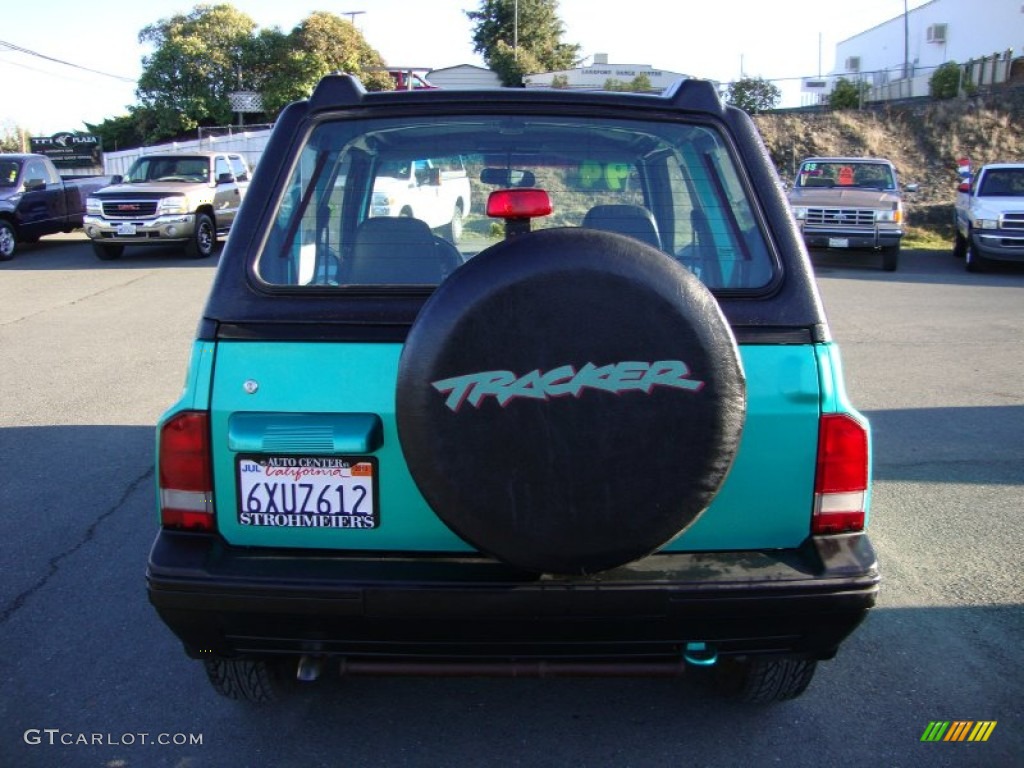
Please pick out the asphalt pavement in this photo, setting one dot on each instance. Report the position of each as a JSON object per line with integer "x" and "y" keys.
{"x": 93, "y": 352}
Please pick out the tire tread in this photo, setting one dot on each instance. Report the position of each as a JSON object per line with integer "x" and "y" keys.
{"x": 242, "y": 679}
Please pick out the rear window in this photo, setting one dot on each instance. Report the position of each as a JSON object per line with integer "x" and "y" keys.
{"x": 338, "y": 221}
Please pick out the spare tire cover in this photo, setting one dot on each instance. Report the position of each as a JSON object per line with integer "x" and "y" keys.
{"x": 568, "y": 401}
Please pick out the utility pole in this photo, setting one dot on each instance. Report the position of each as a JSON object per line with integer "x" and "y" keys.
{"x": 515, "y": 31}
{"x": 352, "y": 16}
{"x": 906, "y": 41}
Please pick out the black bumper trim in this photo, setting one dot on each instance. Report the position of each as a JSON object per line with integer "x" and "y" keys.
{"x": 230, "y": 601}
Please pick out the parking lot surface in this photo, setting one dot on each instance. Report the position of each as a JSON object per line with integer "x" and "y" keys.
{"x": 93, "y": 353}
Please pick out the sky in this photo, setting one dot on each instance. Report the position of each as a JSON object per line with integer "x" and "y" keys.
{"x": 98, "y": 43}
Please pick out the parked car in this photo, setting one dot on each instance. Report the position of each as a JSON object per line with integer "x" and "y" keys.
{"x": 434, "y": 190}
{"x": 186, "y": 199}
{"x": 35, "y": 201}
{"x": 607, "y": 434}
{"x": 850, "y": 203}
{"x": 989, "y": 216}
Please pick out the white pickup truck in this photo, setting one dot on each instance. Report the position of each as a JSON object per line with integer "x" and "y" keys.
{"x": 989, "y": 216}
{"x": 435, "y": 190}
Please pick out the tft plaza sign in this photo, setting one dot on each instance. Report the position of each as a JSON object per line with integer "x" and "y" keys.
{"x": 69, "y": 150}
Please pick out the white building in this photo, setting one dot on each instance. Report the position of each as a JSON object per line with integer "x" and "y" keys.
{"x": 897, "y": 58}
{"x": 463, "y": 77}
{"x": 600, "y": 72}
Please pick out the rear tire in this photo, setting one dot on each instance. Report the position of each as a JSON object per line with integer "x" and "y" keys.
{"x": 959, "y": 246}
{"x": 757, "y": 680}
{"x": 253, "y": 680}
{"x": 452, "y": 231}
{"x": 107, "y": 252}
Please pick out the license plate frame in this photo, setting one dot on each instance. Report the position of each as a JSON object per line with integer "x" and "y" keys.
{"x": 839, "y": 242}
{"x": 287, "y": 491}
{"x": 127, "y": 230}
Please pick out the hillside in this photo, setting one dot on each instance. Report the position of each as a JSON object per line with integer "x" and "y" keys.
{"x": 924, "y": 141}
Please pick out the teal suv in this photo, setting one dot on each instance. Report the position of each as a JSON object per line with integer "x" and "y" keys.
{"x": 605, "y": 432}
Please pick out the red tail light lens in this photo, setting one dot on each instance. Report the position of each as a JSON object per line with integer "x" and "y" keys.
{"x": 186, "y": 485}
{"x": 841, "y": 480}
{"x": 518, "y": 203}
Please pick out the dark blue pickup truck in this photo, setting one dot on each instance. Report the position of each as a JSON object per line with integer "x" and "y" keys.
{"x": 36, "y": 201}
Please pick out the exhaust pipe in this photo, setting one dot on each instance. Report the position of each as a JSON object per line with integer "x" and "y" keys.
{"x": 309, "y": 668}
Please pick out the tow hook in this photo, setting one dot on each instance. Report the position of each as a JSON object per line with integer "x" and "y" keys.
{"x": 700, "y": 655}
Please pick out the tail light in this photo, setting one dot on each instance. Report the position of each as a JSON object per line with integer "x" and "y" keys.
{"x": 518, "y": 207}
{"x": 186, "y": 486}
{"x": 841, "y": 479}
{"x": 528, "y": 203}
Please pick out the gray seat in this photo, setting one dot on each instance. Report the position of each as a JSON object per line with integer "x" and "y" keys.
{"x": 631, "y": 220}
{"x": 391, "y": 250}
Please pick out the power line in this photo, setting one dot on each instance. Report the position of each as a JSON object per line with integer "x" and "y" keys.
{"x": 19, "y": 49}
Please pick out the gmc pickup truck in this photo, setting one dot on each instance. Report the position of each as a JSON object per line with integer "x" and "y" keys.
{"x": 188, "y": 199}
{"x": 989, "y": 216}
{"x": 35, "y": 201}
{"x": 849, "y": 203}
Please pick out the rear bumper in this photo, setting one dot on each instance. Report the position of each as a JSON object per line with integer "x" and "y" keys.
{"x": 419, "y": 611}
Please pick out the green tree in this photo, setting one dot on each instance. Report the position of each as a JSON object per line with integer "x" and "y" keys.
{"x": 517, "y": 44}
{"x": 125, "y": 131}
{"x": 639, "y": 84}
{"x": 847, "y": 94}
{"x": 321, "y": 44}
{"x": 197, "y": 61}
{"x": 753, "y": 94}
{"x": 945, "y": 82}
{"x": 10, "y": 139}
{"x": 201, "y": 57}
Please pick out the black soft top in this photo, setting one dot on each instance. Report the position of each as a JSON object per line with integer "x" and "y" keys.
{"x": 241, "y": 307}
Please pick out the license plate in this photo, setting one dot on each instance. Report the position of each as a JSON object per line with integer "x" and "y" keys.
{"x": 838, "y": 242}
{"x": 126, "y": 229}
{"x": 307, "y": 492}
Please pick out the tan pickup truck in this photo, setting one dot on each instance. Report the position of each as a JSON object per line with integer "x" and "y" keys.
{"x": 849, "y": 203}
{"x": 185, "y": 199}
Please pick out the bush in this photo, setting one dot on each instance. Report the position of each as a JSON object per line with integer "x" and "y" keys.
{"x": 945, "y": 82}
{"x": 753, "y": 94}
{"x": 847, "y": 94}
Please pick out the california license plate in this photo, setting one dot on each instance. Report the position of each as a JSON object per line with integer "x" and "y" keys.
{"x": 307, "y": 492}
{"x": 126, "y": 229}
{"x": 838, "y": 242}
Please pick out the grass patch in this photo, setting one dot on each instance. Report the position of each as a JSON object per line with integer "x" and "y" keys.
{"x": 922, "y": 239}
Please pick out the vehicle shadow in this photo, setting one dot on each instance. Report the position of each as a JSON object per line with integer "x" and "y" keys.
{"x": 649, "y": 722}
{"x": 916, "y": 266}
{"x": 942, "y": 445}
{"x": 86, "y": 653}
{"x": 74, "y": 251}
